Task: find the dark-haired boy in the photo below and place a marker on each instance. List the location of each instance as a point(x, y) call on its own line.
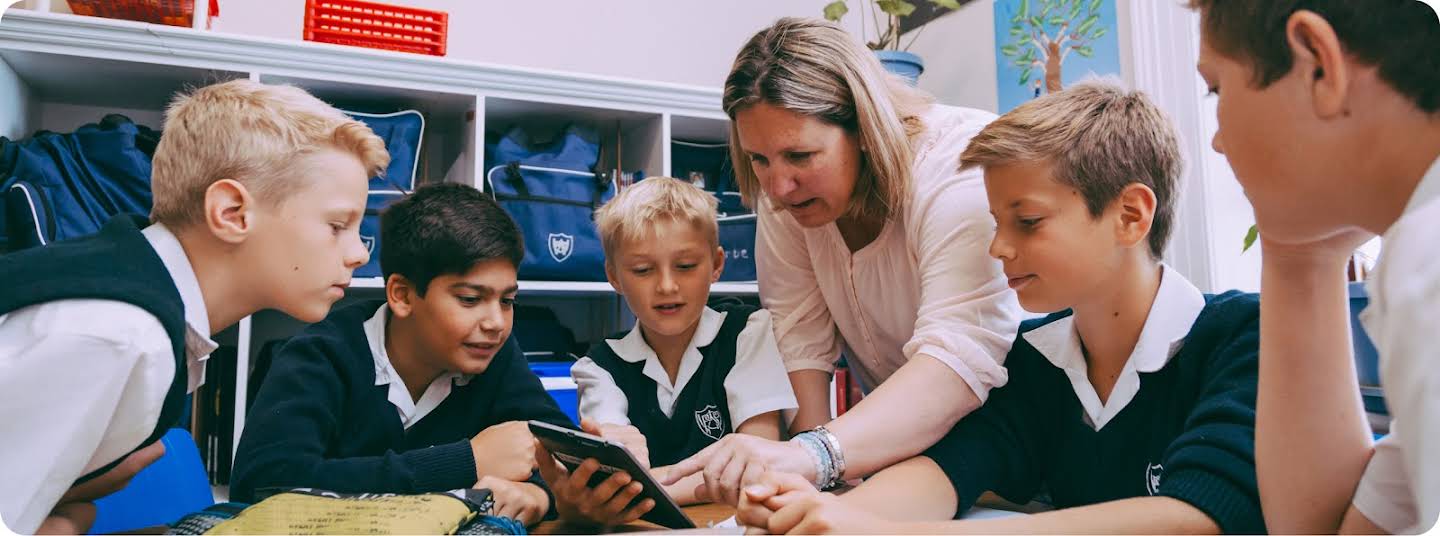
point(421, 392)
point(1329, 113)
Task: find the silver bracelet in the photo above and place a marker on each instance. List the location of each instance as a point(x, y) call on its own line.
point(819, 453)
point(837, 457)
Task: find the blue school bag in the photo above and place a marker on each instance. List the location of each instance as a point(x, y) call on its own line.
point(58, 186)
point(708, 165)
point(403, 133)
point(552, 191)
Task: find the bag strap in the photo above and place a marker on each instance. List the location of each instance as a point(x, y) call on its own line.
point(512, 174)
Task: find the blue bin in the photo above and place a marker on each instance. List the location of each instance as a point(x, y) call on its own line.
point(1367, 359)
point(555, 375)
point(173, 486)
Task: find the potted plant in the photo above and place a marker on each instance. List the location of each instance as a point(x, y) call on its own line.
point(885, 16)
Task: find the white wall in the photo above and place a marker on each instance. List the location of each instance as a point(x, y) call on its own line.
point(959, 53)
point(15, 118)
point(680, 41)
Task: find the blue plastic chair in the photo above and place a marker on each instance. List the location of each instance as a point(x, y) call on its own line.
point(173, 486)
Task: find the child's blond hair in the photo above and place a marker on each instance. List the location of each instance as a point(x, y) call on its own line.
point(1098, 138)
point(633, 212)
point(252, 133)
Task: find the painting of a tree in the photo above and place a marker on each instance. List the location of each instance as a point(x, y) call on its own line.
point(1043, 33)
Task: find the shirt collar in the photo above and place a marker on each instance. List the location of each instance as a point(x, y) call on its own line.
point(385, 374)
point(632, 348)
point(198, 344)
point(1427, 190)
point(1177, 304)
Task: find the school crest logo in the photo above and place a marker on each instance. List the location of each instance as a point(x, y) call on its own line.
point(708, 419)
point(1152, 477)
point(561, 245)
point(369, 242)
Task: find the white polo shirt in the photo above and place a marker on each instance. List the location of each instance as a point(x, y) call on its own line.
point(1177, 304)
point(1400, 491)
point(757, 384)
point(83, 382)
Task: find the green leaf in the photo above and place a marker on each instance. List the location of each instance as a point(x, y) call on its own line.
point(1094, 5)
point(1035, 22)
point(1056, 20)
point(1016, 31)
point(948, 4)
point(835, 10)
point(1023, 62)
point(898, 8)
point(1089, 22)
point(1024, 12)
point(1010, 50)
point(1029, 55)
point(1025, 77)
point(1074, 10)
point(1250, 237)
point(1085, 51)
point(1099, 32)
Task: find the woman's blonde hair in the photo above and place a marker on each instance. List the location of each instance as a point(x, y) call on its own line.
point(814, 68)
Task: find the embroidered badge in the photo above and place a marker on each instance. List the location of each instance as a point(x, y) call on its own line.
point(708, 419)
point(561, 245)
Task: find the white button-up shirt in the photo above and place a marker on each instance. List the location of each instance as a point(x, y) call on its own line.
point(83, 382)
point(1400, 491)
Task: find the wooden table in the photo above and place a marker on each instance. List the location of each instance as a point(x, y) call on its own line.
point(703, 515)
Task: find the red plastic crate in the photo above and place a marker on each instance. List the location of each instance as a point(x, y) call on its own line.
point(168, 12)
point(375, 25)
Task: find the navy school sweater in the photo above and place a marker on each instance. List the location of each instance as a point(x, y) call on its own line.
point(320, 421)
point(1189, 433)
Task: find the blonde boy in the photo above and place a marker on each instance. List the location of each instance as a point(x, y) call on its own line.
point(687, 374)
point(258, 194)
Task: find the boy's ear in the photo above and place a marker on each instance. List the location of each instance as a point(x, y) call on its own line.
point(1320, 59)
point(719, 257)
point(400, 295)
point(229, 211)
point(614, 281)
point(1136, 210)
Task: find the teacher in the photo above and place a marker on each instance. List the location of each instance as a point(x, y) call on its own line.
point(870, 244)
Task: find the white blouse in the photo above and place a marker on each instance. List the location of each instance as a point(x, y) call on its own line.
point(925, 286)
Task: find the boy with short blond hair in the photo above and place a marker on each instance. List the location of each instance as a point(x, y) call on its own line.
point(687, 374)
point(1329, 113)
point(258, 195)
point(1132, 405)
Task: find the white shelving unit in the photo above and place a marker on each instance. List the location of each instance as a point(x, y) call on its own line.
point(59, 71)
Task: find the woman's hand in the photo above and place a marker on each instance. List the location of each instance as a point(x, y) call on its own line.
point(737, 460)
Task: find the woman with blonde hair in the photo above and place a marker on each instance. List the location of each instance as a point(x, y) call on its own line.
point(870, 244)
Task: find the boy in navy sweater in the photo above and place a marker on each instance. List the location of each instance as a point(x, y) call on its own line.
point(421, 392)
point(1133, 406)
point(258, 192)
point(687, 374)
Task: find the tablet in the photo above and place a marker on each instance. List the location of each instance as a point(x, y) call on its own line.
point(572, 447)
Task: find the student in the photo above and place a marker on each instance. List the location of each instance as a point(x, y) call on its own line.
point(687, 374)
point(258, 192)
point(1133, 405)
point(423, 391)
point(1329, 112)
